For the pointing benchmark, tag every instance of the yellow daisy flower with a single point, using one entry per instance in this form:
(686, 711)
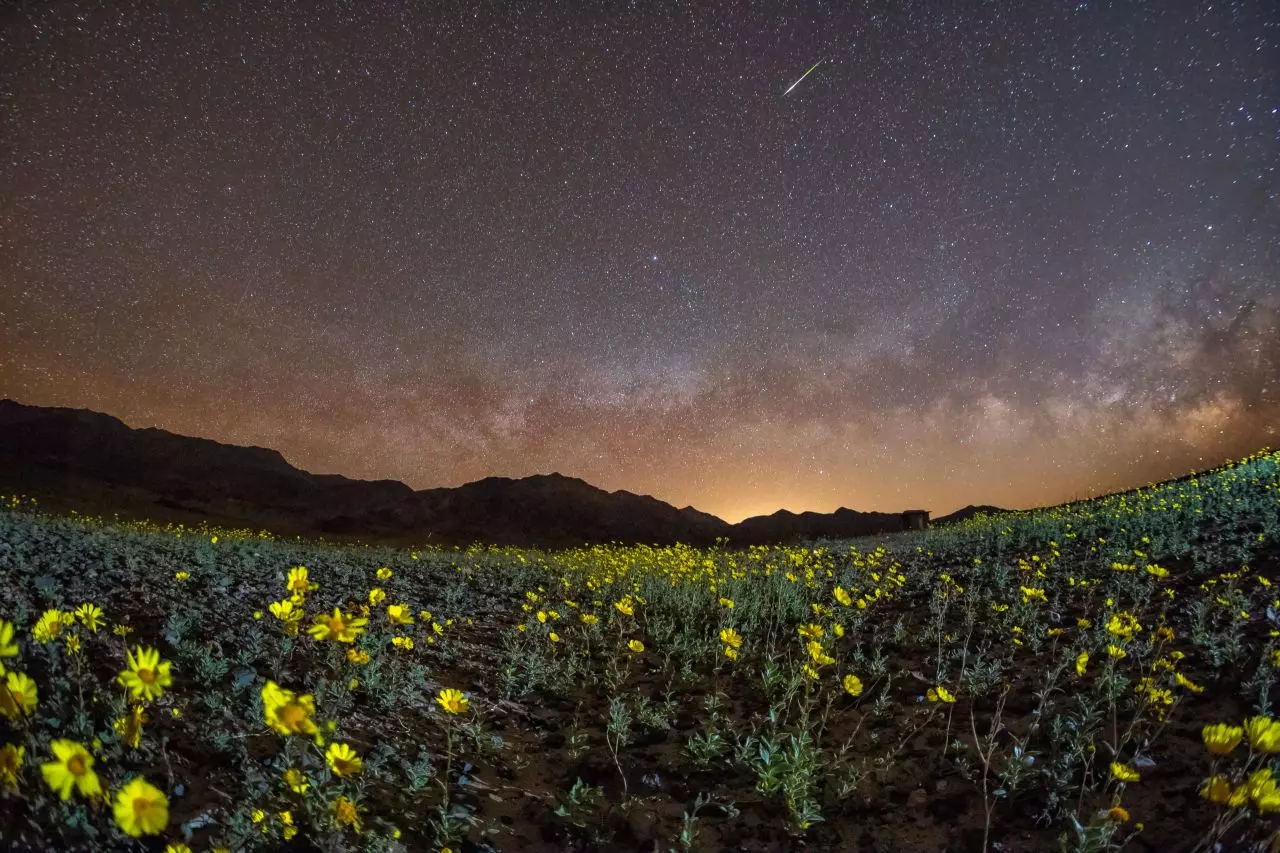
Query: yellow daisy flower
(141, 808)
(10, 763)
(147, 675)
(398, 614)
(17, 696)
(8, 647)
(286, 712)
(1124, 772)
(345, 813)
(453, 701)
(296, 780)
(72, 767)
(342, 760)
(337, 627)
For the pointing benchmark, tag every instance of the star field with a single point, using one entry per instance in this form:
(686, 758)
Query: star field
(983, 253)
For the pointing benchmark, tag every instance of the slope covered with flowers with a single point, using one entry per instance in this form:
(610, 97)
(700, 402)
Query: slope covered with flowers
(1096, 676)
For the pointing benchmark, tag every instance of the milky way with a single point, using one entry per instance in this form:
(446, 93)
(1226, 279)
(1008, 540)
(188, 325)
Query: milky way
(1007, 253)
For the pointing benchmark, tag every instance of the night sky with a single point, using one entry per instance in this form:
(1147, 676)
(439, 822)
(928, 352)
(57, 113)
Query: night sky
(985, 252)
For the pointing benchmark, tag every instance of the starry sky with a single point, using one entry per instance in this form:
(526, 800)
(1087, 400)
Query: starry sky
(985, 252)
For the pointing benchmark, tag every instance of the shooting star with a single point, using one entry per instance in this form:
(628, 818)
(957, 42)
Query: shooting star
(802, 76)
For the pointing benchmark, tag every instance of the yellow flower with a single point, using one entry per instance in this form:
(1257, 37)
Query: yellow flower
(940, 694)
(810, 631)
(636, 646)
(177, 847)
(48, 626)
(1118, 814)
(726, 602)
(589, 618)
(338, 627)
(288, 613)
(1030, 594)
(405, 643)
(90, 615)
(141, 809)
(359, 656)
(1261, 788)
(1218, 790)
(286, 610)
(1263, 734)
(1183, 681)
(553, 637)
(147, 675)
(296, 780)
(377, 595)
(182, 576)
(72, 767)
(453, 701)
(730, 652)
(129, 727)
(298, 580)
(1123, 625)
(398, 614)
(843, 596)
(542, 616)
(852, 685)
(1082, 661)
(345, 813)
(1124, 772)
(624, 607)
(1083, 623)
(1221, 739)
(8, 648)
(818, 654)
(730, 637)
(72, 642)
(1116, 652)
(286, 712)
(384, 574)
(343, 760)
(1266, 797)
(10, 763)
(18, 697)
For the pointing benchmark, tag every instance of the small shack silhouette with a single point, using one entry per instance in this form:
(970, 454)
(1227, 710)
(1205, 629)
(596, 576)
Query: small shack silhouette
(915, 519)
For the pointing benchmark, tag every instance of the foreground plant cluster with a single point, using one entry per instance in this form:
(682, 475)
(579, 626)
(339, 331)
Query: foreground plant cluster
(1098, 676)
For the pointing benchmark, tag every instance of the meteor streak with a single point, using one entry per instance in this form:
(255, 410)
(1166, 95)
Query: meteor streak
(802, 76)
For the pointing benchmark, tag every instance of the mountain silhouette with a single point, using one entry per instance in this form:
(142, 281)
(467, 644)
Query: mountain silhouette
(97, 465)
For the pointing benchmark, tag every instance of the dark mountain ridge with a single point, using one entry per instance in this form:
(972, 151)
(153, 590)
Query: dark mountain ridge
(96, 464)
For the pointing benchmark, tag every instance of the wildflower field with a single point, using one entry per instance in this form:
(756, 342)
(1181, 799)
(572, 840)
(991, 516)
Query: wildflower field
(1097, 676)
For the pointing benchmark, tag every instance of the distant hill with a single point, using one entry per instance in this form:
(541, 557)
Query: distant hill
(97, 465)
(783, 526)
(966, 514)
